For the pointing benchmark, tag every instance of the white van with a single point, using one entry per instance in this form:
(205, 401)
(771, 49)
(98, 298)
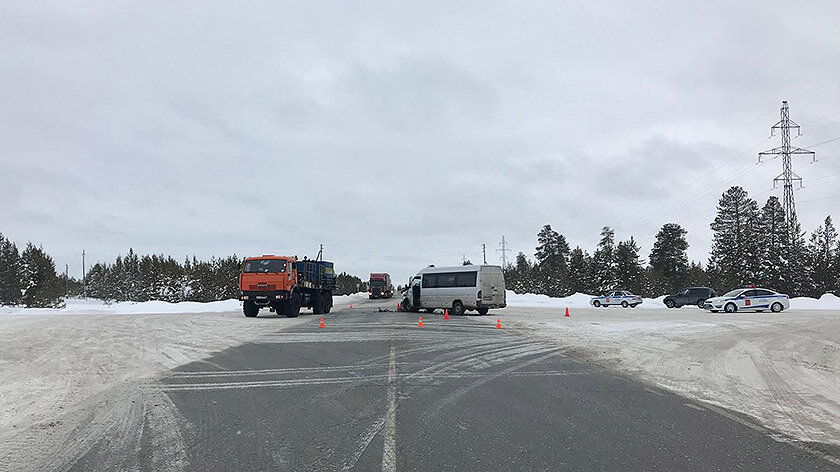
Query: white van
(459, 288)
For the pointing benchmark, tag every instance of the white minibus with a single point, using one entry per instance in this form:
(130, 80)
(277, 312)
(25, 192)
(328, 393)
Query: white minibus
(458, 288)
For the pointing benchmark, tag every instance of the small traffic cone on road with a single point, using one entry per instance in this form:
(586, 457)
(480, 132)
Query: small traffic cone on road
(351, 307)
(446, 314)
(420, 322)
(498, 323)
(567, 312)
(398, 307)
(322, 323)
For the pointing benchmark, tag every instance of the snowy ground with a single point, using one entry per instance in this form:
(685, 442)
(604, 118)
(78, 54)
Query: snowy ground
(782, 369)
(64, 370)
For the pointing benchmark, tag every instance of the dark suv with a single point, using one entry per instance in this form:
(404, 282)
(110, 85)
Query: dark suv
(690, 296)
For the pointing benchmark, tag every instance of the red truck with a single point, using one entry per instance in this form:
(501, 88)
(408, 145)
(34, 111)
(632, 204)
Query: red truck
(379, 286)
(283, 284)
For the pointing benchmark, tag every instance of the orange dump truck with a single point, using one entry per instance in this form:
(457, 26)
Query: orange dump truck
(283, 284)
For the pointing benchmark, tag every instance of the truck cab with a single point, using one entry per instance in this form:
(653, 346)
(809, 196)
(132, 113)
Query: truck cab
(379, 286)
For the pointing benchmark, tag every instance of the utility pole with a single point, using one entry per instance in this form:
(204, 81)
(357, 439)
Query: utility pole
(787, 176)
(66, 279)
(484, 252)
(320, 253)
(84, 276)
(504, 250)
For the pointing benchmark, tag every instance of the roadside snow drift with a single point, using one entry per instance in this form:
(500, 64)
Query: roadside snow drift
(581, 300)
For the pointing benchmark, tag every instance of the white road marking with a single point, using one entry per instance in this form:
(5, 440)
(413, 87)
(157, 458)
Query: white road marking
(389, 448)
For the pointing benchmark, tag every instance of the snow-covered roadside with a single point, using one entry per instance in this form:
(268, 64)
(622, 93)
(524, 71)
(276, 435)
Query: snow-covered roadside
(63, 370)
(580, 300)
(782, 369)
(92, 306)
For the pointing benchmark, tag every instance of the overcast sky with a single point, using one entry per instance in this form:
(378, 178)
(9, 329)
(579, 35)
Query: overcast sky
(401, 134)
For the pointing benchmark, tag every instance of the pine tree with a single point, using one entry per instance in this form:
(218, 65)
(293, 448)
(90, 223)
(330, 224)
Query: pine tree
(774, 247)
(131, 278)
(604, 262)
(655, 283)
(697, 276)
(580, 272)
(669, 258)
(226, 273)
(10, 273)
(519, 277)
(552, 262)
(346, 284)
(823, 257)
(96, 280)
(628, 267)
(735, 257)
(42, 288)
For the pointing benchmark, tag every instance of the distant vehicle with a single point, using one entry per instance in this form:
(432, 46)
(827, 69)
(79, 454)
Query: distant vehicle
(458, 288)
(616, 297)
(379, 286)
(284, 285)
(691, 296)
(749, 299)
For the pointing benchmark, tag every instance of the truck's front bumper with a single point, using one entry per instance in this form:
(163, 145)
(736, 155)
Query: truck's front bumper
(264, 298)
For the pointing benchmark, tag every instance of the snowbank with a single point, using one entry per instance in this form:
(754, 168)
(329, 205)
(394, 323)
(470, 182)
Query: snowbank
(581, 300)
(828, 301)
(92, 306)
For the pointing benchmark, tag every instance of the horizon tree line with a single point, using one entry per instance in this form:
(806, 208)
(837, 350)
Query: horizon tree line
(750, 245)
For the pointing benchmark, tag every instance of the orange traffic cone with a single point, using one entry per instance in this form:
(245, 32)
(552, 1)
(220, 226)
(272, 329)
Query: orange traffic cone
(420, 322)
(351, 306)
(322, 323)
(446, 314)
(567, 312)
(498, 323)
(398, 307)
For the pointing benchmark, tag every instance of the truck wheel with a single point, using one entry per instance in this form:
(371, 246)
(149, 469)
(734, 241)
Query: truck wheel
(293, 307)
(457, 308)
(327, 302)
(482, 311)
(318, 304)
(250, 308)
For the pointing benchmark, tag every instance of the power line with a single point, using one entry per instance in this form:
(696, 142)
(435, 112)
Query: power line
(697, 192)
(821, 198)
(824, 142)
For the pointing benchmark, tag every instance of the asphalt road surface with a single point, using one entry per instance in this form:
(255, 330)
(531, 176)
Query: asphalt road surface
(372, 391)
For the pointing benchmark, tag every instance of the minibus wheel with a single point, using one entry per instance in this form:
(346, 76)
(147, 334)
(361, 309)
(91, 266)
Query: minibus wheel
(457, 308)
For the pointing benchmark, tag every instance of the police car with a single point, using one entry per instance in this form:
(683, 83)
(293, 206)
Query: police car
(616, 297)
(748, 299)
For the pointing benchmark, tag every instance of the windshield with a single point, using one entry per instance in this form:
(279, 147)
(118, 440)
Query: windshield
(735, 293)
(264, 266)
(377, 283)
